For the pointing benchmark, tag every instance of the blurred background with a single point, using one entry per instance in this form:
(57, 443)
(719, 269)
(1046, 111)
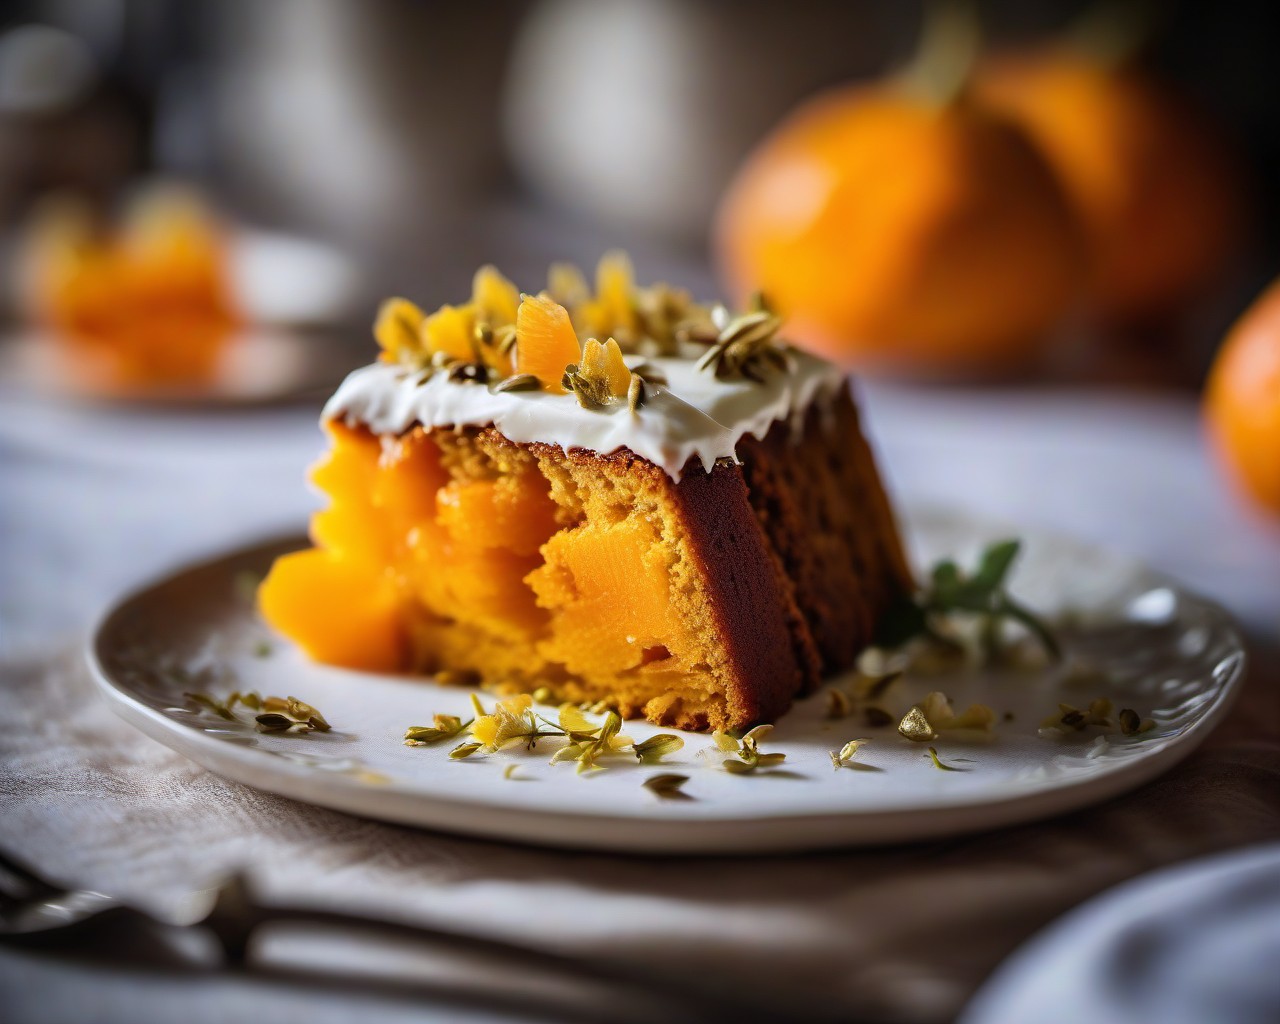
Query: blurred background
(341, 152)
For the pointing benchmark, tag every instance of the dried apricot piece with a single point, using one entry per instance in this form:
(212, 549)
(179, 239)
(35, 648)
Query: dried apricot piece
(450, 330)
(398, 329)
(493, 297)
(545, 341)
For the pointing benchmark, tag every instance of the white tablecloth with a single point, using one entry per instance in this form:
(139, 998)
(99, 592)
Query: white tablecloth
(92, 501)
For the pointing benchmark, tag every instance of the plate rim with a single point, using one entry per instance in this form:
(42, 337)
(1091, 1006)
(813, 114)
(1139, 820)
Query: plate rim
(658, 833)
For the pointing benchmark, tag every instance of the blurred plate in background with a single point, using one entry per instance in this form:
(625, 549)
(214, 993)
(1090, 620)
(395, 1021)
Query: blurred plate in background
(299, 299)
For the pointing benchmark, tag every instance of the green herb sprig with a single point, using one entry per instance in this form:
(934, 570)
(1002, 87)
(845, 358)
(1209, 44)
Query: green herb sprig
(953, 592)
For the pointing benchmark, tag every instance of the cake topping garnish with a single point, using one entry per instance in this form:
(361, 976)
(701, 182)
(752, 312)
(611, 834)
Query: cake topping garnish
(746, 345)
(570, 339)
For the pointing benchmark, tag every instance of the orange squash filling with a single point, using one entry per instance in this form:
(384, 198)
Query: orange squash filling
(512, 564)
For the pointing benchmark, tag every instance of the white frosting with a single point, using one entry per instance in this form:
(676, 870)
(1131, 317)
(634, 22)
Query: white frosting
(693, 414)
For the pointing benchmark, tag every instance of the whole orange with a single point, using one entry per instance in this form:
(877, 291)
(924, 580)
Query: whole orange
(898, 233)
(1155, 188)
(1242, 401)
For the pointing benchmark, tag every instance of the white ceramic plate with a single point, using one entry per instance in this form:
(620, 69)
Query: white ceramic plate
(1172, 656)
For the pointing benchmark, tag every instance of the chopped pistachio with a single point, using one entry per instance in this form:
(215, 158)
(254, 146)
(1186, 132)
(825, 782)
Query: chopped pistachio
(518, 382)
(1069, 718)
(570, 752)
(916, 727)
(1131, 724)
(747, 346)
(443, 728)
(740, 757)
(635, 392)
(666, 786)
(463, 750)
(841, 758)
(210, 704)
(469, 373)
(934, 714)
(724, 741)
(512, 719)
(649, 374)
(839, 704)
(303, 712)
(874, 687)
(281, 713)
(879, 662)
(588, 742)
(652, 750)
(937, 761)
(572, 720)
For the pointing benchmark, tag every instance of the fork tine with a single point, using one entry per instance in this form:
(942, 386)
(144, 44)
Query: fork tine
(15, 875)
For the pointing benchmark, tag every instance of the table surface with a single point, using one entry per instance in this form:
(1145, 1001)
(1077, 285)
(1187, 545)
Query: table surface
(95, 500)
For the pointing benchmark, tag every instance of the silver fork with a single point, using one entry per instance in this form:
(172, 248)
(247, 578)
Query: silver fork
(31, 907)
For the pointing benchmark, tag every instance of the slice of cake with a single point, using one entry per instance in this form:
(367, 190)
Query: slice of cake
(682, 522)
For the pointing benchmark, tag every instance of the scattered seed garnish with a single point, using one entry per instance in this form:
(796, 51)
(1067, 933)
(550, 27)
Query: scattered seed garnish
(518, 382)
(741, 756)
(839, 704)
(937, 762)
(635, 392)
(666, 787)
(841, 758)
(1131, 724)
(445, 727)
(1073, 719)
(652, 750)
